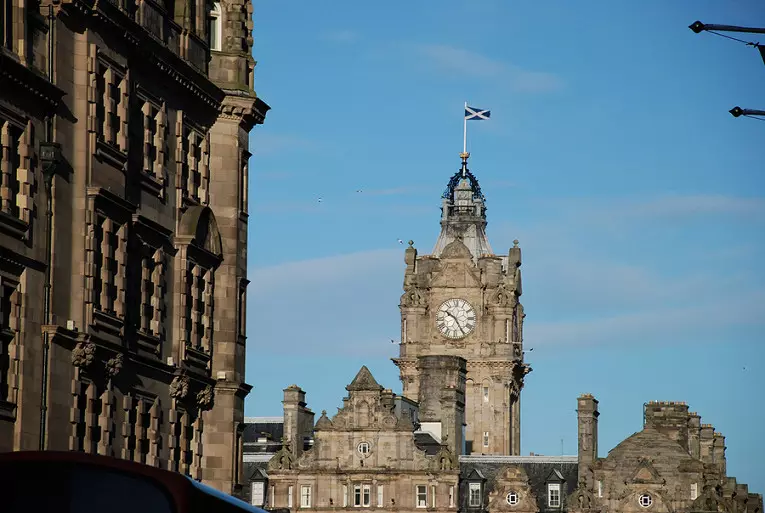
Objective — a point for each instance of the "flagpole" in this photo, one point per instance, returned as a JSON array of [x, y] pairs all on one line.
[[464, 130]]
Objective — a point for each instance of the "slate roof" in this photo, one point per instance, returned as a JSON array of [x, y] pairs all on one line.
[[539, 470], [425, 442], [274, 430]]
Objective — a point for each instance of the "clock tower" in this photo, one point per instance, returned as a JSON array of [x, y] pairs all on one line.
[[463, 300]]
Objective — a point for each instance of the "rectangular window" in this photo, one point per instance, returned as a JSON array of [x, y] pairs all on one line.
[[380, 497], [366, 498], [289, 496], [451, 496], [694, 491], [305, 496], [485, 438], [486, 394], [474, 495], [600, 488], [345, 496], [362, 496], [553, 495], [422, 496], [258, 489]]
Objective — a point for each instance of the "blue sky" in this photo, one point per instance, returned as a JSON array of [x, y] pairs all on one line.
[[639, 202]]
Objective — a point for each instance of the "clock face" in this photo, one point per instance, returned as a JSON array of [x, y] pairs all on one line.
[[455, 318]]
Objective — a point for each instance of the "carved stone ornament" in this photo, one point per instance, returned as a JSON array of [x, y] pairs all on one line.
[[84, 355], [445, 459], [412, 297], [205, 397], [179, 388], [114, 365], [282, 460]]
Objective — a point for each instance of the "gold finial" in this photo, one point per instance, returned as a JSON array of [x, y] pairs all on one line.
[[464, 155]]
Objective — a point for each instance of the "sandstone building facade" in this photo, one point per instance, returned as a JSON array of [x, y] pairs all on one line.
[[462, 362], [124, 129]]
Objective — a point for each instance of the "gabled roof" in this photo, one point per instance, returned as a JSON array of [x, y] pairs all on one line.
[[364, 381], [555, 476]]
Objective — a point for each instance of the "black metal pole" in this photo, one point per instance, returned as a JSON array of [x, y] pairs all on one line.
[[697, 27], [48, 176], [738, 111]]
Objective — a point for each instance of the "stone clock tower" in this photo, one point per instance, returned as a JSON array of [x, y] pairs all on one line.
[[463, 300]]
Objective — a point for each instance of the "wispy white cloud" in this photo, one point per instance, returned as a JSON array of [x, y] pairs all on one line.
[[665, 206], [460, 61], [705, 320], [575, 293], [677, 205], [344, 304]]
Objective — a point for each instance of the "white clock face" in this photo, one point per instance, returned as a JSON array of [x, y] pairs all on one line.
[[455, 318]]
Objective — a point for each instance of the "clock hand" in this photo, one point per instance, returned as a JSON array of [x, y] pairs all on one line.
[[456, 321]]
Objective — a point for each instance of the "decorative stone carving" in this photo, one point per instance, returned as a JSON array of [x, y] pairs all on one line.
[[282, 460], [205, 397], [114, 365], [179, 388], [412, 297], [84, 355]]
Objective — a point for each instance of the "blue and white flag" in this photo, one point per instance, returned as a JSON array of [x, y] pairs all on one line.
[[473, 113]]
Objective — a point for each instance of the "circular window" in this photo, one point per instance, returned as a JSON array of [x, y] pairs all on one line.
[[363, 448], [512, 498], [645, 500]]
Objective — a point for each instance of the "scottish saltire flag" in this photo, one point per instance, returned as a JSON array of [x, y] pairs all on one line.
[[473, 113]]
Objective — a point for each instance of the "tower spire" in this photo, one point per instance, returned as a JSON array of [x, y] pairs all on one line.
[[463, 213]]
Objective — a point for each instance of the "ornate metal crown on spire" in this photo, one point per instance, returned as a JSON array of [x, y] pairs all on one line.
[[463, 173]]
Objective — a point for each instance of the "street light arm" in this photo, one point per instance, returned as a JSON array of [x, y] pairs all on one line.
[[738, 111], [698, 27]]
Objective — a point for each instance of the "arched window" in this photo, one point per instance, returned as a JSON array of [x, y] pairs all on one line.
[[215, 28]]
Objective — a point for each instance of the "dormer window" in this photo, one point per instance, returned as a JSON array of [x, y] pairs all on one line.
[[215, 28]]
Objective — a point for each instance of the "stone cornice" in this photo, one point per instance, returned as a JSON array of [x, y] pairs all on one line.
[[14, 73], [248, 111]]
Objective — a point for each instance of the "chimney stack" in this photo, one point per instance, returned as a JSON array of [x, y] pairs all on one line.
[[298, 419], [587, 414]]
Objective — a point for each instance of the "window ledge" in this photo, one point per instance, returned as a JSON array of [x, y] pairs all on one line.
[[111, 154], [152, 184], [7, 411], [14, 226]]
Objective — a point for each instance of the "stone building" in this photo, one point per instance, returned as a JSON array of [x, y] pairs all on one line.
[[124, 129], [365, 456], [461, 362]]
